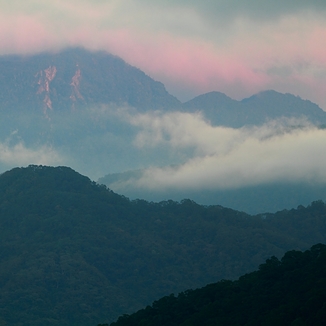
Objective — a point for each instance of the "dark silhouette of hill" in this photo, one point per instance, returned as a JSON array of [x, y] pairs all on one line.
[[255, 110], [73, 252], [290, 291]]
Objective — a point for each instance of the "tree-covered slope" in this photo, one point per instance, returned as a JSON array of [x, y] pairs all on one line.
[[73, 252], [290, 291], [252, 199]]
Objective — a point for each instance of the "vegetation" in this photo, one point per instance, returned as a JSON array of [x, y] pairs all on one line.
[[75, 253], [286, 292], [255, 199]]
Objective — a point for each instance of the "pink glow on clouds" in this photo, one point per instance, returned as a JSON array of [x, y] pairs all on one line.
[[239, 68], [23, 34], [239, 71], [316, 45], [191, 62]]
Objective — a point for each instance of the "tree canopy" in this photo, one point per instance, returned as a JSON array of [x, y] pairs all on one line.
[[74, 252], [290, 291]]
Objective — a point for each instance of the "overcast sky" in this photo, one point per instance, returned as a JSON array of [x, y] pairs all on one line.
[[236, 47]]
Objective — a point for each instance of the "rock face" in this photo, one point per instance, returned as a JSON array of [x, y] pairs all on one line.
[[76, 78]]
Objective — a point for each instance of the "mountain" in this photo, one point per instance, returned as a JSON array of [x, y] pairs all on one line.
[[70, 108], [75, 253], [75, 79], [256, 110], [255, 199], [289, 291], [98, 114], [218, 108]]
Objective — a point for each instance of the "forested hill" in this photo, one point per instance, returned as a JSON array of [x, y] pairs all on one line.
[[286, 292], [75, 253]]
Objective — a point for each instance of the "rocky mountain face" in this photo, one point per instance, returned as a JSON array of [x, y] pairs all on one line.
[[76, 78]]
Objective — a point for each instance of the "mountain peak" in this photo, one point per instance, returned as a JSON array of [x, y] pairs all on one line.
[[254, 110], [40, 177], [75, 78], [210, 99], [274, 104]]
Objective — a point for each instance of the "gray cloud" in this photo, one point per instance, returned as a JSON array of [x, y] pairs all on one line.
[[252, 8]]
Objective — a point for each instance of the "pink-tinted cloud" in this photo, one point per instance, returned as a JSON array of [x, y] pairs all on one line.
[[24, 34], [245, 56], [239, 71], [226, 158], [191, 63]]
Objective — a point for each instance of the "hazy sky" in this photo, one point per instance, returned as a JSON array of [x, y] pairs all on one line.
[[236, 47]]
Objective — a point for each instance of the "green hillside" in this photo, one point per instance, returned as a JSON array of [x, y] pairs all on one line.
[[75, 253], [290, 291]]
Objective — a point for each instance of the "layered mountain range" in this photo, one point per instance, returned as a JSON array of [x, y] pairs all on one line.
[[92, 111], [76, 78], [75, 253]]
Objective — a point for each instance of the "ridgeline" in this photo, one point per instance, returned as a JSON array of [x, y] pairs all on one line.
[[75, 253]]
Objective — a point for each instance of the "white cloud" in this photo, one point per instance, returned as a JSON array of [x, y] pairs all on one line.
[[19, 155], [225, 158]]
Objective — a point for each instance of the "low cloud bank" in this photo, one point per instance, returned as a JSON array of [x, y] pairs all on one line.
[[226, 158]]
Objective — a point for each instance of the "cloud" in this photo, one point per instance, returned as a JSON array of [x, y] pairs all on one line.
[[236, 47], [226, 158], [18, 155]]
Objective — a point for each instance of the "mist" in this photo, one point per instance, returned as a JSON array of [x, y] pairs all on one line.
[[175, 150], [220, 158]]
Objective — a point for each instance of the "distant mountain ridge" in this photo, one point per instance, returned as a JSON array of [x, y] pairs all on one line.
[[84, 109], [250, 199], [255, 110], [76, 78]]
